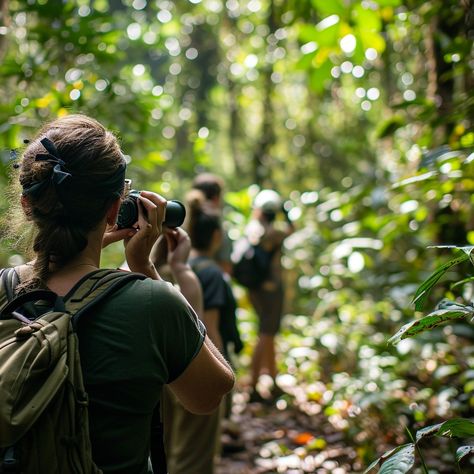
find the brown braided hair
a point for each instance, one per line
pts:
(64, 215)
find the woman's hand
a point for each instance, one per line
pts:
(114, 234)
(140, 241)
(179, 246)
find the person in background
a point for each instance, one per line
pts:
(212, 186)
(72, 178)
(268, 299)
(192, 442)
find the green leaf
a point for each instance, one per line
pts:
(461, 282)
(367, 19)
(457, 428)
(464, 451)
(430, 321)
(427, 431)
(403, 458)
(325, 8)
(388, 3)
(422, 292)
(401, 462)
(327, 31)
(320, 75)
(388, 127)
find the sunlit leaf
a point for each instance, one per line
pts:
(457, 428)
(463, 451)
(422, 292)
(429, 322)
(427, 431)
(325, 8)
(462, 282)
(371, 39)
(396, 461)
(367, 19)
(401, 462)
(320, 75)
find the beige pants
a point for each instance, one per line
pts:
(191, 441)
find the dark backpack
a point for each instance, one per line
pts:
(251, 264)
(44, 423)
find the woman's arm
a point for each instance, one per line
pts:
(211, 319)
(205, 381)
(179, 246)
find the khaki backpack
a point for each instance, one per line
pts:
(44, 424)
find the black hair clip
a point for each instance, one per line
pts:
(59, 173)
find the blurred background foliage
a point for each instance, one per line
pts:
(358, 111)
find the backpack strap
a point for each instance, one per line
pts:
(94, 288)
(9, 279)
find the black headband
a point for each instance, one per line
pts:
(60, 175)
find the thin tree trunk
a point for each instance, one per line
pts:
(4, 25)
(262, 159)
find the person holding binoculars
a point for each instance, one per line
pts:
(143, 336)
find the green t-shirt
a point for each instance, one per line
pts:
(142, 338)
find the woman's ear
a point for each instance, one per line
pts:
(113, 211)
(25, 204)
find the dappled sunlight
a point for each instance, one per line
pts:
(359, 113)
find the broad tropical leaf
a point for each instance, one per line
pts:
(458, 428)
(401, 456)
(430, 321)
(400, 462)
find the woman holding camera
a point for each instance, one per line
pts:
(145, 335)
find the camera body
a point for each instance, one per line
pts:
(128, 213)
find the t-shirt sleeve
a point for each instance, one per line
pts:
(175, 329)
(213, 287)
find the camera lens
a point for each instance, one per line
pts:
(175, 214)
(128, 214)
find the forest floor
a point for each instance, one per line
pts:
(279, 437)
(288, 436)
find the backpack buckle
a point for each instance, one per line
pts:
(10, 462)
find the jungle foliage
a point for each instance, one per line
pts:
(360, 113)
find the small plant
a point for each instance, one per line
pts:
(402, 458)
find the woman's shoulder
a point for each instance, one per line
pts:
(155, 289)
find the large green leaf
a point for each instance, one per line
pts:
(430, 321)
(396, 461)
(401, 462)
(457, 428)
(463, 451)
(422, 292)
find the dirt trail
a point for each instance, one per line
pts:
(280, 438)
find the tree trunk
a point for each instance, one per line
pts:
(4, 25)
(262, 159)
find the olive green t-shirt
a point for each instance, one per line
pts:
(143, 337)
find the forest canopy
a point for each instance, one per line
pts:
(359, 112)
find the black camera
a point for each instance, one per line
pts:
(128, 213)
